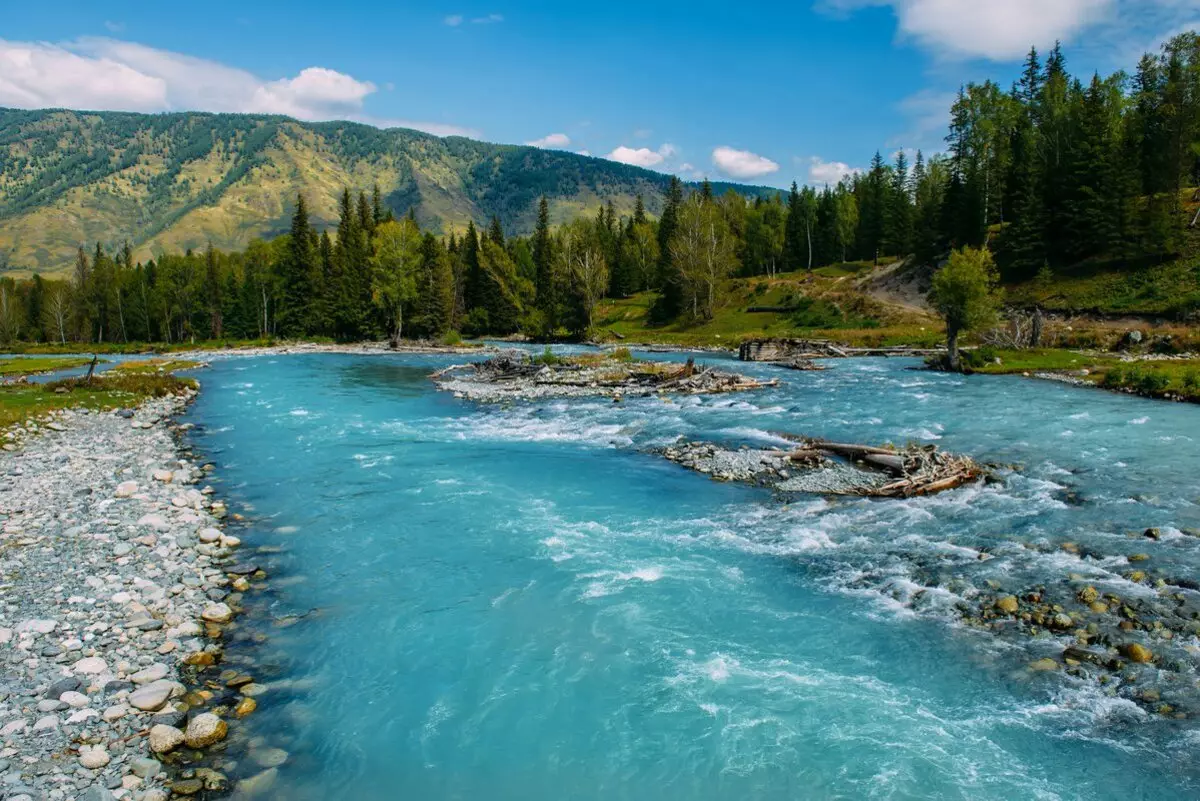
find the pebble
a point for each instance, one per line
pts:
(153, 696)
(93, 757)
(109, 582)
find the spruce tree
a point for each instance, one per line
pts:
(794, 236)
(296, 273)
(669, 281)
(543, 262)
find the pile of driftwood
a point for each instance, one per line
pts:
(916, 469)
(781, 350)
(512, 376)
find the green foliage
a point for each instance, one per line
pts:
(964, 294)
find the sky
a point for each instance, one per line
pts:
(756, 92)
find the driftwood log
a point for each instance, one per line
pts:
(918, 470)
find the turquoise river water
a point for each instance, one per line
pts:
(524, 602)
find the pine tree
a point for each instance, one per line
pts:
(296, 270)
(873, 210)
(899, 213)
(496, 231)
(794, 235)
(213, 293)
(543, 261)
(668, 281)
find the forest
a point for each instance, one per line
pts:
(1053, 172)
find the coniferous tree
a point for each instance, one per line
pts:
(296, 273)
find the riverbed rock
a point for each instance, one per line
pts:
(93, 757)
(1136, 652)
(204, 730)
(1008, 605)
(217, 613)
(153, 696)
(164, 739)
(257, 785)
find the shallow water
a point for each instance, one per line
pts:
(521, 603)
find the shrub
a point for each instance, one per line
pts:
(547, 357)
(1153, 382)
(980, 357)
(1191, 379)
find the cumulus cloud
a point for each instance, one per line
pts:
(993, 29)
(742, 163)
(454, 20)
(928, 116)
(36, 75)
(107, 74)
(554, 140)
(642, 156)
(821, 172)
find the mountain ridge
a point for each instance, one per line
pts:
(172, 181)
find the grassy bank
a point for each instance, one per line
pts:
(1170, 290)
(823, 304)
(35, 365)
(1175, 379)
(114, 390)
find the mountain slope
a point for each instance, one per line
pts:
(175, 181)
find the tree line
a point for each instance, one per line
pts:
(1048, 174)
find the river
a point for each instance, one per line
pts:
(522, 602)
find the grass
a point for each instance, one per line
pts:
(21, 402)
(1154, 378)
(620, 355)
(35, 365)
(155, 366)
(1171, 290)
(822, 305)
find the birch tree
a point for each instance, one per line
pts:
(395, 265)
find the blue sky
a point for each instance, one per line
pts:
(752, 91)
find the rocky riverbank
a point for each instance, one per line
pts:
(116, 579)
(516, 376)
(355, 348)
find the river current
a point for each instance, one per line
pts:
(525, 602)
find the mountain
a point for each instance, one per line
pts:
(168, 182)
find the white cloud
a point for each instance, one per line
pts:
(642, 156)
(996, 29)
(928, 115)
(114, 27)
(554, 140)
(490, 19)
(37, 75)
(316, 91)
(454, 20)
(584, 152)
(742, 163)
(107, 74)
(821, 172)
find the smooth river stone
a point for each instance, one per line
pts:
(153, 696)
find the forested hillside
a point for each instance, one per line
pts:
(1080, 190)
(166, 183)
